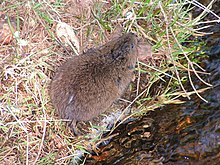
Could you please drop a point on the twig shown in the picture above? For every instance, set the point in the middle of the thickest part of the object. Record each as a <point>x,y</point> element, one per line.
<point>44,128</point>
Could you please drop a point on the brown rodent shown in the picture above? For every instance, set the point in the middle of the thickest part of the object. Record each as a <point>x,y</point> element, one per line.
<point>88,84</point>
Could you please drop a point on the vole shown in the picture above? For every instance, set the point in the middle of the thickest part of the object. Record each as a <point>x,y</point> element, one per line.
<point>88,84</point>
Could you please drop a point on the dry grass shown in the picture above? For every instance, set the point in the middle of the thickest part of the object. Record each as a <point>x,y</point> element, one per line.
<point>30,131</point>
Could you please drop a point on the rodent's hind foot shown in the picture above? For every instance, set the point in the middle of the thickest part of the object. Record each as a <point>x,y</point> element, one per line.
<point>73,126</point>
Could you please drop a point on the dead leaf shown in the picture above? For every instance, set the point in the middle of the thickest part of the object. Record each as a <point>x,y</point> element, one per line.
<point>144,51</point>
<point>102,156</point>
<point>66,35</point>
<point>6,34</point>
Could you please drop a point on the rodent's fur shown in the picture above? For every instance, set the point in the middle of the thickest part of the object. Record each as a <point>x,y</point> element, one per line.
<point>88,84</point>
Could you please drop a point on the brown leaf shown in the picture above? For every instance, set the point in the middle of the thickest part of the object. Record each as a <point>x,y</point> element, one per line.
<point>101,157</point>
<point>6,34</point>
<point>144,51</point>
<point>66,35</point>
